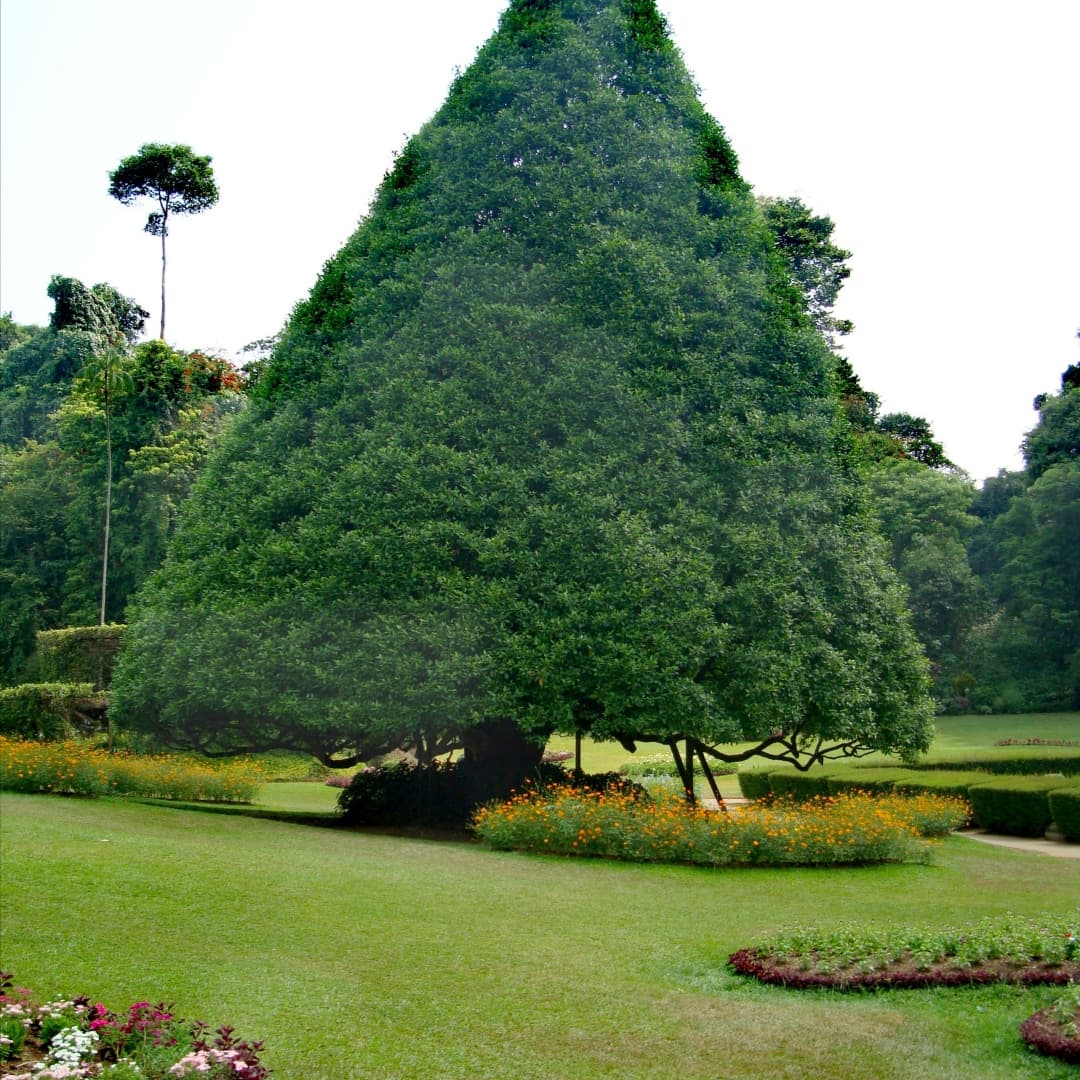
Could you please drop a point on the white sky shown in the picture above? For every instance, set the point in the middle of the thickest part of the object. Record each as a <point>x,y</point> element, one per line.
<point>940,136</point>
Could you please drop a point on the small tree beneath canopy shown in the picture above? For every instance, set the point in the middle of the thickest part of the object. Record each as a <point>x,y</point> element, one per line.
<point>179,181</point>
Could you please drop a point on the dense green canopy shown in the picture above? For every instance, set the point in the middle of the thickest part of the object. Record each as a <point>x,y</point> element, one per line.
<point>553,441</point>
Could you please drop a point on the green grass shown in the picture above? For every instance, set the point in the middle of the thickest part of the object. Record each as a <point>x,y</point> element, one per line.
<point>961,733</point>
<point>365,955</point>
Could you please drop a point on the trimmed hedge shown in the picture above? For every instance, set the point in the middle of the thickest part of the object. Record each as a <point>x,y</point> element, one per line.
<point>873,780</point>
<point>798,785</point>
<point>1016,806</point>
<point>941,783</point>
<point>42,710</point>
<point>79,654</point>
<point>754,783</point>
<point>1065,761</point>
<point>1065,810</point>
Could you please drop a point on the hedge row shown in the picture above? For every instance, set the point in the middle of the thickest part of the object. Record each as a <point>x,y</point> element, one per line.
<point>1014,763</point>
<point>1015,805</point>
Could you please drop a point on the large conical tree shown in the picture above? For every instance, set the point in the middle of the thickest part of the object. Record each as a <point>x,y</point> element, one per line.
<point>552,445</point>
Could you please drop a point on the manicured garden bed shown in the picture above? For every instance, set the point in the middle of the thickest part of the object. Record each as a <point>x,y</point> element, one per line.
<point>1021,951</point>
<point>852,829</point>
<point>60,1039</point>
<point>1055,1029</point>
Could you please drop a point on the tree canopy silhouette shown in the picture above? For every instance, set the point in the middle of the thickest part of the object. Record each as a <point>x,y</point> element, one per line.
<point>553,445</point>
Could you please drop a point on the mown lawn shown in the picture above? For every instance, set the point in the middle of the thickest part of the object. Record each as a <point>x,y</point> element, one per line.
<point>367,955</point>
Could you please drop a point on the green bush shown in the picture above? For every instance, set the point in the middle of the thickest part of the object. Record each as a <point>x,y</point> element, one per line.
<point>941,783</point>
<point>798,785</point>
<point>43,710</point>
<point>1017,806</point>
<point>875,780</point>
<point>1065,810</point>
<point>1017,763</point>
<point>445,794</point>
<point>79,654</point>
<point>754,783</point>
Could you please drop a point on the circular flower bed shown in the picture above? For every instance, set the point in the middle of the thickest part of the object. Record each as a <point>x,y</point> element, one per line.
<point>1055,1030</point>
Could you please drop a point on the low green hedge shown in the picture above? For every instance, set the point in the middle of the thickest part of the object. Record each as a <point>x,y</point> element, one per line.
<point>1065,810</point>
<point>1017,806</point>
<point>1007,763</point>
<point>42,710</point>
<point>798,785</point>
<point>754,783</point>
<point>875,780</point>
<point>941,783</point>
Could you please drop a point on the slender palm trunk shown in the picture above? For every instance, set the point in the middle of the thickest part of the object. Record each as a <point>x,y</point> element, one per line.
<point>162,334</point>
<point>108,505</point>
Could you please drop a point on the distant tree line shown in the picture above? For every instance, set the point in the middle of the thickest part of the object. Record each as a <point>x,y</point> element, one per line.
<point>72,395</point>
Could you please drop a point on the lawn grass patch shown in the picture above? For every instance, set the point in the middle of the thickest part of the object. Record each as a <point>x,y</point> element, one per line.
<point>361,955</point>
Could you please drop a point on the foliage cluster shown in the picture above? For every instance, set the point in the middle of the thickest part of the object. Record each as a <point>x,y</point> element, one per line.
<point>79,653</point>
<point>1027,654</point>
<point>860,956</point>
<point>1018,806</point>
<point>1014,805</point>
<point>445,794</point>
<point>1065,811</point>
<point>165,409</point>
<point>850,829</point>
<point>78,768</point>
<point>43,710</point>
<point>72,1038</point>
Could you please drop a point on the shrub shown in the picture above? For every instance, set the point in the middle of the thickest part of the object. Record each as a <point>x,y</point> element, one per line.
<point>798,785</point>
<point>80,653</point>
<point>1065,811</point>
<point>72,1038</point>
<point>874,780</point>
<point>77,768</point>
<point>43,710</point>
<point>1066,761</point>
<point>445,794</point>
<point>1018,806</point>
<point>754,783</point>
<point>407,794</point>
<point>941,783</point>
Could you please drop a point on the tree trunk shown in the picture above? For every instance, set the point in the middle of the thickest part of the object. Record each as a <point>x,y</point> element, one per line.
<point>162,334</point>
<point>108,504</point>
